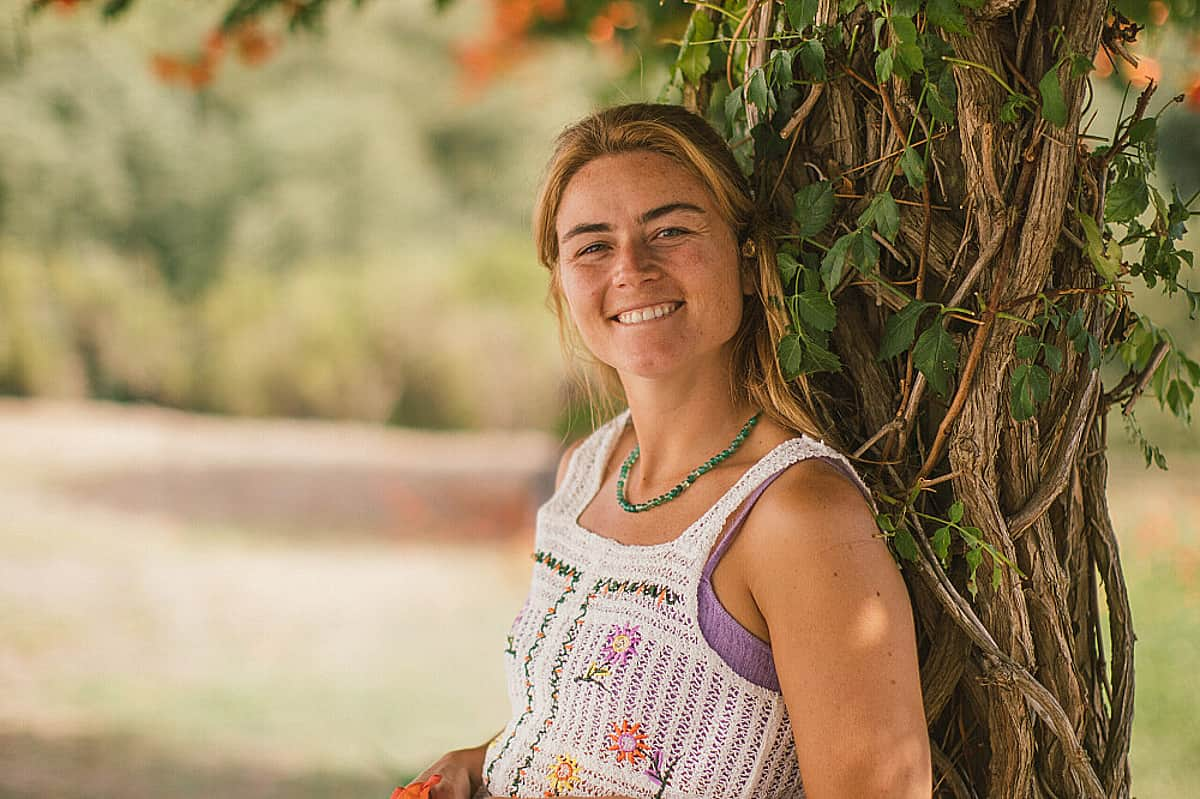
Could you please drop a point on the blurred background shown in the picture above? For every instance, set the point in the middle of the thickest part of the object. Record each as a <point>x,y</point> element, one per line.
<point>279,393</point>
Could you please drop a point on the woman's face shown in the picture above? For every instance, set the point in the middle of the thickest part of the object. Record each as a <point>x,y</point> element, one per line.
<point>648,266</point>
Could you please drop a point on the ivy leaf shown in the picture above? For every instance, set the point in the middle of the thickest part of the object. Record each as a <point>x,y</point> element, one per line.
<point>956,511</point>
<point>1013,105</point>
<point>759,94</point>
<point>904,28</point>
<point>812,208</point>
<point>907,8</point>
<point>1054,107</point>
<point>789,267</point>
<point>1097,252</point>
<point>884,64</point>
<point>941,99</point>
<point>694,58</point>
<point>1075,326</point>
<point>941,544</point>
<point>1144,130</point>
<point>974,556</point>
<point>1127,198</point>
<point>936,356</point>
<point>912,59</point>
<point>864,252</point>
<point>735,103</point>
<point>1053,357</point>
<point>900,329</point>
<point>818,359</point>
<point>906,547</point>
<point>816,309</point>
<point>883,214</point>
<point>834,262</point>
<point>801,13</point>
<point>791,356</point>
<point>812,59</point>
<point>914,167</point>
<point>1027,347</point>
<point>946,14</point>
<point>1030,385</point>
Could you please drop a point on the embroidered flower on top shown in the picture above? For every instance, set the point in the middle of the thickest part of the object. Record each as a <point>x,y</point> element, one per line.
<point>628,742</point>
<point>595,674</point>
<point>658,773</point>
<point>563,774</point>
<point>621,644</point>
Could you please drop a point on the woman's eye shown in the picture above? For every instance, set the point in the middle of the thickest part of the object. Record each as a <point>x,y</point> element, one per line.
<point>671,232</point>
<point>591,249</point>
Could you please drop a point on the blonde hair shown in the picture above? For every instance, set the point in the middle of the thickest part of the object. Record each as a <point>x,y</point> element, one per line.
<point>691,142</point>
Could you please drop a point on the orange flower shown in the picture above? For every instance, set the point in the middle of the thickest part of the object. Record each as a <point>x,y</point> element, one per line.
<point>417,790</point>
<point>628,742</point>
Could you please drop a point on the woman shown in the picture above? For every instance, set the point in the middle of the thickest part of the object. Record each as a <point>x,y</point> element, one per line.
<point>712,613</point>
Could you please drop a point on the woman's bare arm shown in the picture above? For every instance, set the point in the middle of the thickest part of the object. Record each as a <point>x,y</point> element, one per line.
<point>842,635</point>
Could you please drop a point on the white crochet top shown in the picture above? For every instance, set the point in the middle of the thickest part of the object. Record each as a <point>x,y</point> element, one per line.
<point>614,689</point>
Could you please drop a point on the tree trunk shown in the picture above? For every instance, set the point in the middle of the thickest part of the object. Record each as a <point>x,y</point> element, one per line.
<point>1020,698</point>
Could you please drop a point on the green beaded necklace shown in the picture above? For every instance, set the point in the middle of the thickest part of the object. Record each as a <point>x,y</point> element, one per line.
<point>691,477</point>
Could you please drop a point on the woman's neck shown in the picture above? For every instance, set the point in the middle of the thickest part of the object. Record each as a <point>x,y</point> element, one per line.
<point>679,429</point>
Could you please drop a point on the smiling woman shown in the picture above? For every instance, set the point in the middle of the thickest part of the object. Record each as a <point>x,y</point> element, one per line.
<point>711,613</point>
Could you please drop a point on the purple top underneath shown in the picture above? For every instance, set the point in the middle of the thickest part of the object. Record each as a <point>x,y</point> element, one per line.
<point>747,654</point>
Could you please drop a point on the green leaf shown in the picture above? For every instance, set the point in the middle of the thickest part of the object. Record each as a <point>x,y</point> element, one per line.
<point>936,356</point>
<point>956,511</point>
<point>1097,252</point>
<point>940,103</point>
<point>1053,357</point>
<point>819,359</point>
<point>906,547</point>
<point>812,208</point>
<point>1144,130</point>
<point>834,262</point>
<point>1030,385</point>
<point>1027,347</point>
<point>941,543</point>
<point>914,167</point>
<point>884,64</point>
<point>904,28</point>
<point>1080,65</point>
<point>1075,325</point>
<point>1126,199</point>
<point>974,556</point>
<point>791,356</point>
<point>885,523</point>
<point>912,59</point>
<point>812,59</point>
<point>1013,105</point>
<point>1054,107</point>
<point>883,214</point>
<point>864,251</point>
<point>900,329</point>
<point>760,94</point>
<point>817,310</point>
<point>694,59</point>
<point>995,574</point>
<point>945,14</point>
<point>907,8</point>
<point>789,267</point>
<point>801,13</point>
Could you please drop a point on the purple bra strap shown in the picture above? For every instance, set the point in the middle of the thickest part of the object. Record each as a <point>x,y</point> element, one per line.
<point>737,522</point>
<point>740,517</point>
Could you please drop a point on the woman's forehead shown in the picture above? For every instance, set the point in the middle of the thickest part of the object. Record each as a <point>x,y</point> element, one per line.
<point>629,184</point>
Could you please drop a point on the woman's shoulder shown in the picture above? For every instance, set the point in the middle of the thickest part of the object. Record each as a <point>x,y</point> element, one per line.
<point>814,504</point>
<point>591,440</point>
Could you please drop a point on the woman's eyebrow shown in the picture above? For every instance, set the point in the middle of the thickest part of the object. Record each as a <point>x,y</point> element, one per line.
<point>649,216</point>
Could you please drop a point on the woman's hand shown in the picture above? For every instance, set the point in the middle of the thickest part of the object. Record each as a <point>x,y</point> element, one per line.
<point>462,773</point>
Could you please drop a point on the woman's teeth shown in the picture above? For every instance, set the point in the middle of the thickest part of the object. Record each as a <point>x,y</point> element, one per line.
<point>646,314</point>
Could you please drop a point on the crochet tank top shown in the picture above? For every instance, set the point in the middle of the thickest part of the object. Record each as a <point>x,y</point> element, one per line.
<point>614,687</point>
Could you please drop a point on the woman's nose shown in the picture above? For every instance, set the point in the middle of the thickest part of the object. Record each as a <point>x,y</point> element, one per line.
<point>634,264</point>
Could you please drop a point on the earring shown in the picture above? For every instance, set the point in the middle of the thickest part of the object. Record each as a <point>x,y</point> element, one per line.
<point>749,248</point>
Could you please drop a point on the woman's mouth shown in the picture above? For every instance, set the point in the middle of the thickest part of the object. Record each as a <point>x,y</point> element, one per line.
<point>648,313</point>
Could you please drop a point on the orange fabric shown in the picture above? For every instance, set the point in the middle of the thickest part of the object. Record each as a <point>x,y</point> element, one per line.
<point>417,790</point>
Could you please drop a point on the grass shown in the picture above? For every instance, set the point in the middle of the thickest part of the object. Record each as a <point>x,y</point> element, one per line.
<point>157,652</point>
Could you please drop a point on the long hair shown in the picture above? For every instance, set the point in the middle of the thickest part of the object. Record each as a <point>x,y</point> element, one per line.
<point>689,140</point>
